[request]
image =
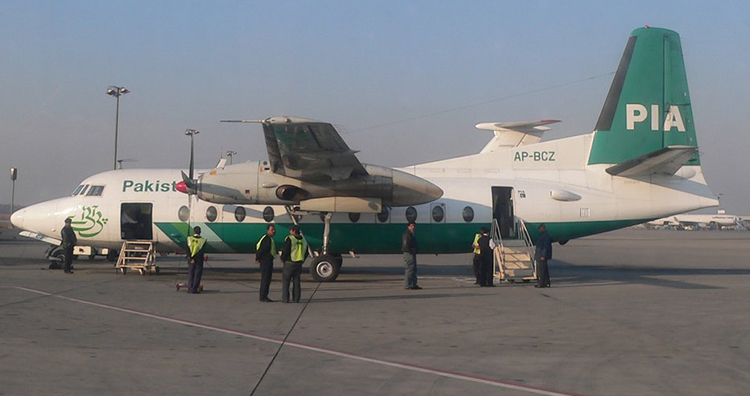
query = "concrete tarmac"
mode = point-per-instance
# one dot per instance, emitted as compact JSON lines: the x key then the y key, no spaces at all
{"x":632,"y":312}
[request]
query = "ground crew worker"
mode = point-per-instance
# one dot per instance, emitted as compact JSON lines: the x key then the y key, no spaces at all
{"x":476,"y":261}
{"x":485,"y":257}
{"x":542,"y":255}
{"x":265,"y":251}
{"x":293,"y":254}
{"x":69,"y":241}
{"x":196,"y":245}
{"x":409,"y":248}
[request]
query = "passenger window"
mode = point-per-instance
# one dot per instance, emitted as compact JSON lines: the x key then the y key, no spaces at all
{"x":354,"y":217}
{"x":95,"y":191}
{"x":183,"y":213}
{"x":411,"y":214}
{"x":268,"y":214}
{"x":239,"y":214}
{"x":211,"y":214}
{"x":383,"y":215}
{"x":438,"y":213}
{"x":468,"y":214}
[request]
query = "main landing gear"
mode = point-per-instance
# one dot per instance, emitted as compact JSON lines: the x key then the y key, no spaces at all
{"x":326,"y":266}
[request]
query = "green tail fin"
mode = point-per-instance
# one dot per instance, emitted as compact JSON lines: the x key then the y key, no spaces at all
{"x":648,"y":105}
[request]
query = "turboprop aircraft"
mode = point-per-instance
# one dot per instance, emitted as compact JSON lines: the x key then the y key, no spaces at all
{"x":640,"y":163}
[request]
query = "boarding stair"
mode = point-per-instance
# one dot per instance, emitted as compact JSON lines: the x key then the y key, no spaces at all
{"x":513,"y":257}
{"x":139,"y":256}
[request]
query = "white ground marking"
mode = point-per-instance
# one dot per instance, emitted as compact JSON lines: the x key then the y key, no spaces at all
{"x":407,"y":366}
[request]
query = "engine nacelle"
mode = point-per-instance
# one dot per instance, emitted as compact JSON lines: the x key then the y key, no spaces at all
{"x":255,"y":183}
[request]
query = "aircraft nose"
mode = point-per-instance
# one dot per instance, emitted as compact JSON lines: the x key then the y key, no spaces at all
{"x":40,"y":218}
{"x":17,"y":218}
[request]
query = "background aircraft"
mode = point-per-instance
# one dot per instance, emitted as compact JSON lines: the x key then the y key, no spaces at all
{"x":640,"y":163}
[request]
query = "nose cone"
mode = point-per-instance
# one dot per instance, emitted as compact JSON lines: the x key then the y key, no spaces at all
{"x":40,"y":218}
{"x":412,"y":190}
{"x":17,"y":218}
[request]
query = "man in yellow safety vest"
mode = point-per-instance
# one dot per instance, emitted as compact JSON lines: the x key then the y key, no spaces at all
{"x":293,"y":254}
{"x":476,"y":262}
{"x":196,"y":245}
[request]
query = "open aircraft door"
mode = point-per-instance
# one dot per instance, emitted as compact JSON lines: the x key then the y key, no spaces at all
{"x":503,"y":211}
{"x":136,"y":221}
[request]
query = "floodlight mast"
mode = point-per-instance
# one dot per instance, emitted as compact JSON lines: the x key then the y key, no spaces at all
{"x":116,"y":91}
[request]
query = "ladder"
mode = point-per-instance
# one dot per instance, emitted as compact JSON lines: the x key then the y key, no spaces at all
{"x":513,"y":258}
{"x":137,"y":255}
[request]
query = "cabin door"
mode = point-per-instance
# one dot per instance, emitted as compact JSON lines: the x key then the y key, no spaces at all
{"x":136,"y":221}
{"x":502,"y":211}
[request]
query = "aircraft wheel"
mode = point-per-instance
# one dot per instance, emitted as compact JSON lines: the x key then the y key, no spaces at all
{"x":339,"y":261}
{"x":122,"y":271}
{"x":56,"y":258}
{"x":324,"y":268}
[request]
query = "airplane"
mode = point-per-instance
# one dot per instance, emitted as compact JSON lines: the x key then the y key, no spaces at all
{"x":699,"y":221}
{"x":640,"y":163}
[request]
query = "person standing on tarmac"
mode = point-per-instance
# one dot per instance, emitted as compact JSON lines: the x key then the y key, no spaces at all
{"x":476,"y":262}
{"x":542,"y":256}
{"x":69,"y":241}
{"x":196,"y":245}
{"x":485,"y":257}
{"x":265,"y":252}
{"x":293,"y":254}
{"x":410,"y":249}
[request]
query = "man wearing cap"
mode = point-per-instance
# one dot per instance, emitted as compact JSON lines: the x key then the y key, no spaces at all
{"x":265,"y":251}
{"x":69,"y":241}
{"x":542,"y":256}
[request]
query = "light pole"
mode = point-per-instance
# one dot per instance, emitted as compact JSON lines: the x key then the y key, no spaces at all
{"x":231,"y":155}
{"x":116,"y":91}
{"x":13,"y":177}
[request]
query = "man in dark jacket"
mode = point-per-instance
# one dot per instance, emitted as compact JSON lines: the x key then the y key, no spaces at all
{"x":485,"y":257}
{"x":293,"y":254}
{"x":409,"y":248}
{"x":265,"y":251}
{"x":542,"y":256}
{"x":69,"y":241}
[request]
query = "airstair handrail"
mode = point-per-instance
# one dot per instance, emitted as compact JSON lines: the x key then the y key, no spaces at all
{"x":527,"y":241}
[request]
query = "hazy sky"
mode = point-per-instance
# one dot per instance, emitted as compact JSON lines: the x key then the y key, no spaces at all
{"x":377,"y":70}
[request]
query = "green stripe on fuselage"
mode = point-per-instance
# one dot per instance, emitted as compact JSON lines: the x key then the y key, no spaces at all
{"x":382,"y":238}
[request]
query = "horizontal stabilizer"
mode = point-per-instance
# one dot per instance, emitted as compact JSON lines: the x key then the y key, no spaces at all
{"x":667,"y":161}
{"x":514,"y":134}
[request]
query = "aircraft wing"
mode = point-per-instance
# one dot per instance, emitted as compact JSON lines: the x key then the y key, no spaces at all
{"x":667,"y":160}
{"x":308,"y":150}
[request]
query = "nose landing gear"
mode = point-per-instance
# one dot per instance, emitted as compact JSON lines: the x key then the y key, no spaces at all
{"x":326,"y":266}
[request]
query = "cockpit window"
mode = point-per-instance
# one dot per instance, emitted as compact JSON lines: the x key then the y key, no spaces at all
{"x":95,"y":191}
{"x":77,"y":190}
{"x":85,"y":187}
